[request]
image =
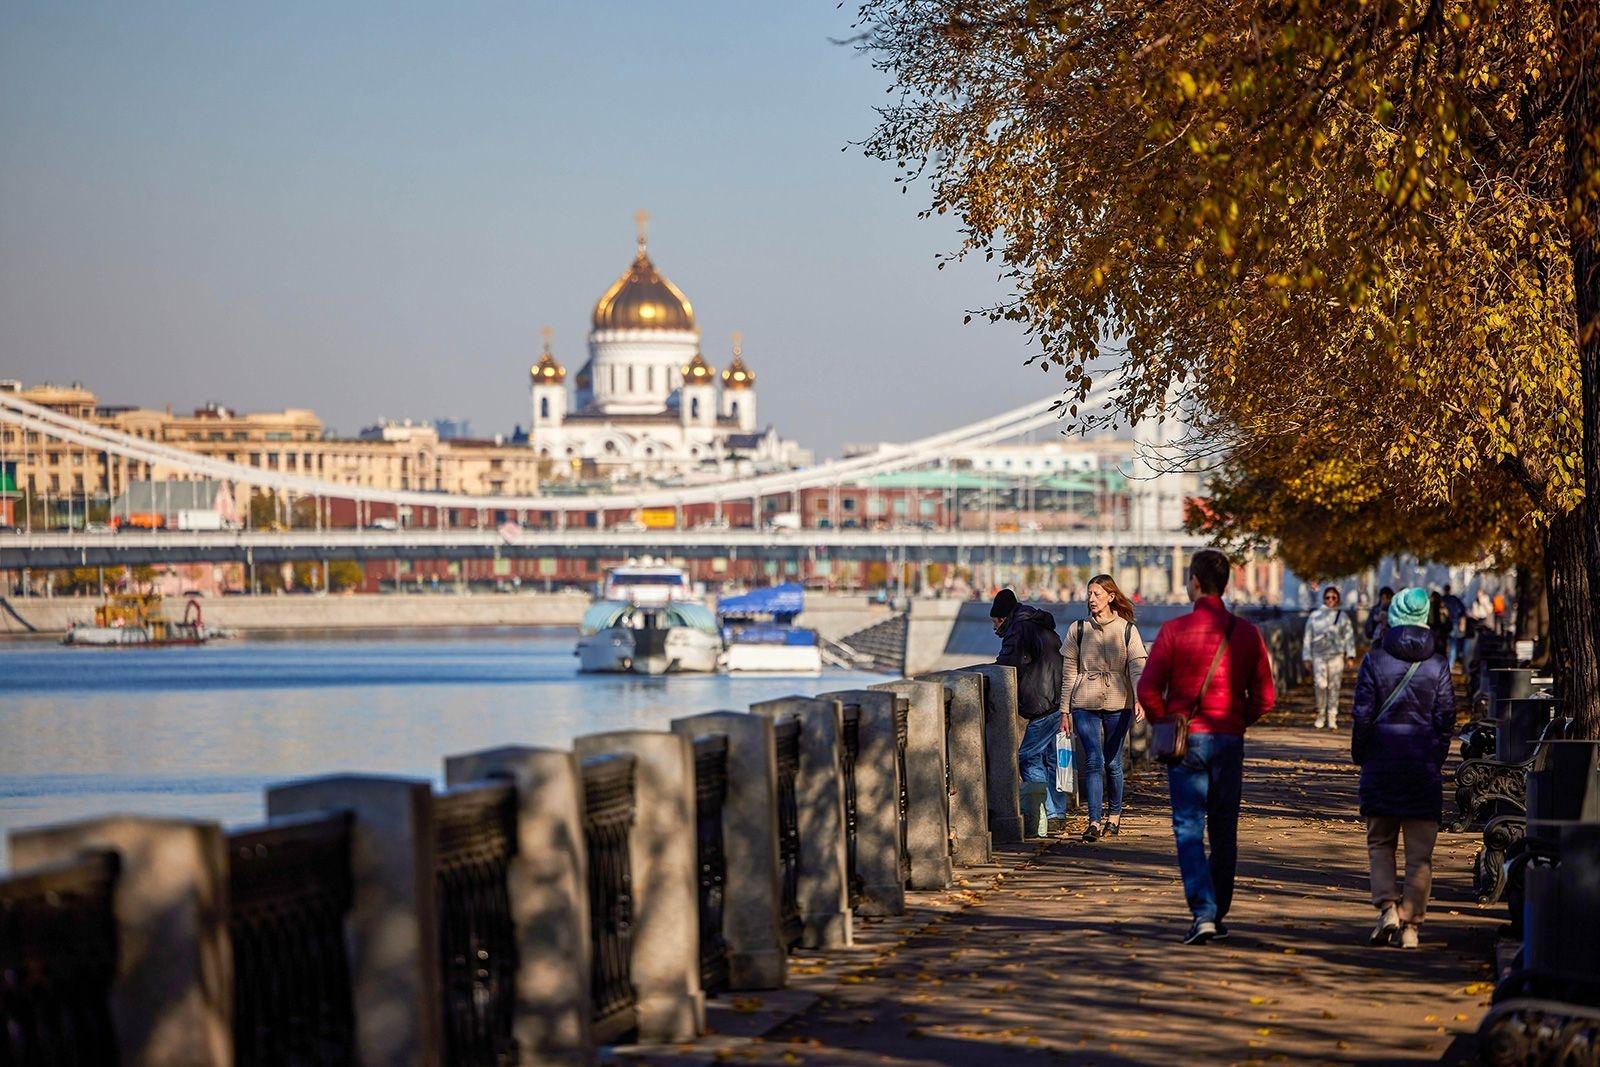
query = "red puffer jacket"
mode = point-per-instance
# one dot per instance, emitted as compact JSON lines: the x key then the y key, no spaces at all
{"x":1240,"y":692}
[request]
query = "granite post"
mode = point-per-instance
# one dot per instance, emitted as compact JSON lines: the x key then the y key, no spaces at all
{"x":665,"y":957}
{"x":392,"y":930}
{"x":547,"y":882}
{"x":819,"y":792}
{"x":172,"y":997}
{"x":877,"y":773}
{"x":928,"y":782}
{"x":752,"y":921}
{"x":969,"y":775}
{"x":1002,"y":737}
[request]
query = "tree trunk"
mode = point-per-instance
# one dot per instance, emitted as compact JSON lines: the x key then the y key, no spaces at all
{"x":1572,"y":629}
{"x":1578,"y":37}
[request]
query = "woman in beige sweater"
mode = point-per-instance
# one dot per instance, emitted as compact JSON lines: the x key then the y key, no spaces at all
{"x":1104,"y":658}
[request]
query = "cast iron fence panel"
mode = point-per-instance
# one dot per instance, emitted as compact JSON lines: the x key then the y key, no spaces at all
{"x":849,"y":752}
{"x":607,"y":821}
{"x":786,"y":739}
{"x":710,"y":791}
{"x":949,"y":773}
{"x":58,"y":956}
{"x":288,"y":894}
{"x":902,"y":737}
{"x":475,"y":828}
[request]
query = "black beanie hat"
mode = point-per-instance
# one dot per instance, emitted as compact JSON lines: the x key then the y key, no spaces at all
{"x":1005,"y":602}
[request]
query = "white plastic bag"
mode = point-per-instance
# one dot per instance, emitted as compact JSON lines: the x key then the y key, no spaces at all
{"x":1066,"y":763}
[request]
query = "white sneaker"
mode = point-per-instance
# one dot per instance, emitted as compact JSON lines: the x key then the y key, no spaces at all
{"x":1408,"y":936}
{"x":1333,"y":724}
{"x":1319,"y":724}
{"x":1388,"y":926}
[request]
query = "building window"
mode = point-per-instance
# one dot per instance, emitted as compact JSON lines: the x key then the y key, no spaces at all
{"x":544,"y":407}
{"x":650,"y":379}
{"x":734,"y":409}
{"x":630,"y":379}
{"x":694,"y":408}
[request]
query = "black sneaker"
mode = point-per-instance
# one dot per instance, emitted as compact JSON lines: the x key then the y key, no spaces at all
{"x":1202,"y":931}
{"x":1222,"y":932}
{"x":1092,"y":833}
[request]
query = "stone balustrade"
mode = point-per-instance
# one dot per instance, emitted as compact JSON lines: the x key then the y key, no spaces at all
{"x":545,"y":903}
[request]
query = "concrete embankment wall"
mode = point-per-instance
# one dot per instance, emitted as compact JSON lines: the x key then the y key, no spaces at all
{"x":334,"y":612}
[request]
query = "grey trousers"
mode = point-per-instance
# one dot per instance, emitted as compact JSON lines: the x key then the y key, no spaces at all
{"x":1383,"y":834}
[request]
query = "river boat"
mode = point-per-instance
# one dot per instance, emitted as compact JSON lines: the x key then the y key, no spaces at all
{"x":758,"y":628}
{"x":138,"y":619}
{"x":649,"y":620}
{"x":619,"y":637}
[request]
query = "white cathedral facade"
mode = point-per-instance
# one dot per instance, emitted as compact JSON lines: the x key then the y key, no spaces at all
{"x":647,"y":404}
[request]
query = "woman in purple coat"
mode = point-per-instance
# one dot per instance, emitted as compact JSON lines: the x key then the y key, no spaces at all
{"x":1405,"y":716}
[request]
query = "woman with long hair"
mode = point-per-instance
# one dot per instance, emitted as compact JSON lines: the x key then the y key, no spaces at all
{"x":1104,"y":656}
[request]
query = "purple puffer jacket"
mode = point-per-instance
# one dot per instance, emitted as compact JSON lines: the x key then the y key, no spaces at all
{"x":1401,"y":756}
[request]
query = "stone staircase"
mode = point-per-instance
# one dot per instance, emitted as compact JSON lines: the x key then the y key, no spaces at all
{"x":883,"y":642}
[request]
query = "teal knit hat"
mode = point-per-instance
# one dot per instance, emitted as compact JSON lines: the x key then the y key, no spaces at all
{"x":1409,"y":607}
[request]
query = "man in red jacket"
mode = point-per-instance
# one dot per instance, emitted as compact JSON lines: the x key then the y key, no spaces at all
{"x":1207,"y":785}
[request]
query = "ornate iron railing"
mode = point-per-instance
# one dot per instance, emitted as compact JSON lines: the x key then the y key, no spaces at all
{"x":902,"y":737}
{"x":288,"y":895}
{"x":58,"y":956}
{"x":786,"y":739}
{"x":710,"y":790}
{"x":475,"y":828}
{"x":849,"y":752}
{"x":608,"y":820}
{"x":949,"y":771}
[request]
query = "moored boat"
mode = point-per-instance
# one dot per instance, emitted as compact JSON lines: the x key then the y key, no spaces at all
{"x":137,"y":619}
{"x":617,"y":636}
{"x":761,"y":637}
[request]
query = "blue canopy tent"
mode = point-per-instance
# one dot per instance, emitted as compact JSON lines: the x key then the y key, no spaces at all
{"x":781,"y":602}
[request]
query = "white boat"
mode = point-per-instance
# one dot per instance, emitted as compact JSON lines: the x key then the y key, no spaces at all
{"x":649,"y":621}
{"x":759,"y":630}
{"x":617,"y":636}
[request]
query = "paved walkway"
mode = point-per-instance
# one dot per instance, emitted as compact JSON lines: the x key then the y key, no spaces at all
{"x":1070,"y":953}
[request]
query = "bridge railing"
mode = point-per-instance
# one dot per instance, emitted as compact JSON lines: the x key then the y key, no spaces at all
{"x":545,"y":903}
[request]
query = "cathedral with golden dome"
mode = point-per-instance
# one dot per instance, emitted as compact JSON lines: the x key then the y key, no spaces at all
{"x":646,"y":403}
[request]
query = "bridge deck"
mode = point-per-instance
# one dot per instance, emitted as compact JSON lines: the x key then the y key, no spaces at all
{"x":1071,"y":954}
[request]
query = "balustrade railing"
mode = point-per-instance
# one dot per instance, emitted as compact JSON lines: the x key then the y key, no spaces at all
{"x":289,"y":891}
{"x":902,"y":738}
{"x":786,"y":739}
{"x":949,"y":770}
{"x":849,"y":752}
{"x":608,"y":819}
{"x":475,"y":829}
{"x":710,"y":791}
{"x":58,"y":956}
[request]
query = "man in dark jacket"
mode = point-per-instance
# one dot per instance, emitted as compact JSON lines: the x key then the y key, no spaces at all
{"x":1405,"y":716}
{"x":1029,"y":642}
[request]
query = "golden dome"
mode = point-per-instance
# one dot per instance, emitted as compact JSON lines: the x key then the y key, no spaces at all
{"x":738,"y":376}
{"x":698,"y":372}
{"x":642,"y":299}
{"x":547,"y":371}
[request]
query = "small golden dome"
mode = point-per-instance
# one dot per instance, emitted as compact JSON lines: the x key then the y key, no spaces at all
{"x":698,"y":371}
{"x":738,"y":376}
{"x":643,"y":299}
{"x":547,"y":371}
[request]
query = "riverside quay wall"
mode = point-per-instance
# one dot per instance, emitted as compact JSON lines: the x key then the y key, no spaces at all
{"x":546,"y":903}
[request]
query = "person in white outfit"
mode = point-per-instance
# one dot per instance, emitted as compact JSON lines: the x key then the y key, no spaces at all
{"x":1329,"y":644}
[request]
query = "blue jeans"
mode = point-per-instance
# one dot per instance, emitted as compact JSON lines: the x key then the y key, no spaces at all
{"x":1100,"y":736}
{"x":1036,"y":759}
{"x":1206,"y":789}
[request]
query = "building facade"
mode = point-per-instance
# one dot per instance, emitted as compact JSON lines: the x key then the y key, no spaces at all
{"x":646,"y":404}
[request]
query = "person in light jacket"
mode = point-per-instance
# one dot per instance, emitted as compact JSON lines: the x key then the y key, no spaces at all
{"x":1102,"y":659}
{"x":1405,"y":717}
{"x":1330,"y":642}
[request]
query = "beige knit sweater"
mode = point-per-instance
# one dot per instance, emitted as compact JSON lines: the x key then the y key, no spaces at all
{"x":1113,"y":659}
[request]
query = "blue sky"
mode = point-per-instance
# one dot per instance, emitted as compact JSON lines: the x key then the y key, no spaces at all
{"x":371,"y":210}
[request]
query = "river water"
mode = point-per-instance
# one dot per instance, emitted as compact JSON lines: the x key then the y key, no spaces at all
{"x":199,"y":732}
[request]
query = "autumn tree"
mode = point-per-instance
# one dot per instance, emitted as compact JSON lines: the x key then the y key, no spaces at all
{"x":1352,"y":226}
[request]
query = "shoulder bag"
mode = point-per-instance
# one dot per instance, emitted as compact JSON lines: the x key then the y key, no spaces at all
{"x":1169,"y":738}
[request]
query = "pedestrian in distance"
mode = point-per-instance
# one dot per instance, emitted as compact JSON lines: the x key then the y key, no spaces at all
{"x":1455,"y":616}
{"x":1438,"y":621}
{"x":1328,"y":645}
{"x":1404,"y":718}
{"x":1102,"y":659}
{"x":1029,"y":642}
{"x":1211,"y":668}
{"x":1378,"y":618}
